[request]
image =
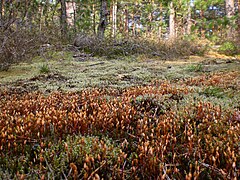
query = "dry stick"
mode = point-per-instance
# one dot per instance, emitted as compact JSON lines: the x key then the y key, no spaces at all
{"x":216,"y":170}
{"x":96,"y":170}
{"x":95,"y":64}
{"x":49,"y":167}
{"x":69,"y":173}
{"x":164,"y":170}
{"x":64,"y":175}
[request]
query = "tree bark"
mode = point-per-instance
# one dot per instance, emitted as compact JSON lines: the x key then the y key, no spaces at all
{"x":238,"y":21}
{"x":114,"y":18}
{"x":1,"y":10}
{"x":1,"y":13}
{"x":126,"y":20}
{"x":94,"y":17}
{"x":189,"y":22}
{"x":161,"y":21}
{"x":63,"y":18}
{"x":103,"y":19}
{"x":230,"y":13}
{"x":172,"y":21}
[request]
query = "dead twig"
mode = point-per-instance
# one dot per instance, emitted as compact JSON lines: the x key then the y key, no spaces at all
{"x":91,"y":175}
{"x":165,"y":173}
{"x":96,"y":64}
{"x":220,"y":172}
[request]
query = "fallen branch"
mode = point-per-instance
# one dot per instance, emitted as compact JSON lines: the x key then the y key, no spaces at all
{"x":91,"y":175}
{"x":96,"y":64}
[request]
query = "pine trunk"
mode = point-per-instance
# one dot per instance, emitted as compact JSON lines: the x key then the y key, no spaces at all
{"x":63,"y":18}
{"x":230,"y":13}
{"x":189,"y":22}
{"x":126,"y":21}
{"x":161,"y":21}
{"x":238,"y":21}
{"x":172,"y":21}
{"x":103,"y":19}
{"x":114,"y":18}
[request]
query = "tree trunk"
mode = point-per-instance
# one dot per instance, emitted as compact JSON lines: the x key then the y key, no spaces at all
{"x":172,"y":21}
{"x":150,"y":18}
{"x":114,"y":18}
{"x":230,"y":13}
{"x":63,"y":18}
{"x":161,"y":21}
{"x":1,"y":10}
{"x":189,"y":22}
{"x":103,"y":19}
{"x":74,"y":15}
{"x":238,"y":31}
{"x":1,"y":13}
{"x":94,"y":18}
{"x":126,"y":20}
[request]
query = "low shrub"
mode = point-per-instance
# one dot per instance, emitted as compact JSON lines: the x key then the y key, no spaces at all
{"x":213,"y":91}
{"x":44,"y":69}
{"x":228,"y":48}
{"x":16,"y":46}
{"x":195,"y":68}
{"x":162,"y":49}
{"x":22,"y":44}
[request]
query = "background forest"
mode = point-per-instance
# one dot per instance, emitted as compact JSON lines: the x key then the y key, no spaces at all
{"x":115,"y":89}
{"x":33,"y":24}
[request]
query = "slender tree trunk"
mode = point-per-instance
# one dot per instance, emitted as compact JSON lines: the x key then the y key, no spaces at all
{"x":74,"y":16}
{"x":161,"y":21}
{"x":1,"y":13}
{"x":63,"y":18}
{"x":126,"y":20}
{"x":114,"y":18}
{"x":1,"y":10}
{"x":103,"y":19}
{"x":150,"y":17}
{"x":189,"y":22}
{"x":40,"y":9}
{"x":172,"y":21}
{"x":133,"y":26}
{"x":230,"y":13}
{"x":94,"y":18}
{"x":238,"y":21}
{"x":46,"y":8}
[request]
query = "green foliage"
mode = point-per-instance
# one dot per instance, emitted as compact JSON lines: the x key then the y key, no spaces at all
{"x":213,"y":91}
{"x":44,"y":69}
{"x":57,"y":159}
{"x":228,"y":48}
{"x":215,"y":39}
{"x":195,"y":68}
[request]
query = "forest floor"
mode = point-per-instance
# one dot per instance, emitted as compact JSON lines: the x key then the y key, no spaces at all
{"x":72,"y":72}
{"x":67,"y":71}
{"x":186,"y":111}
